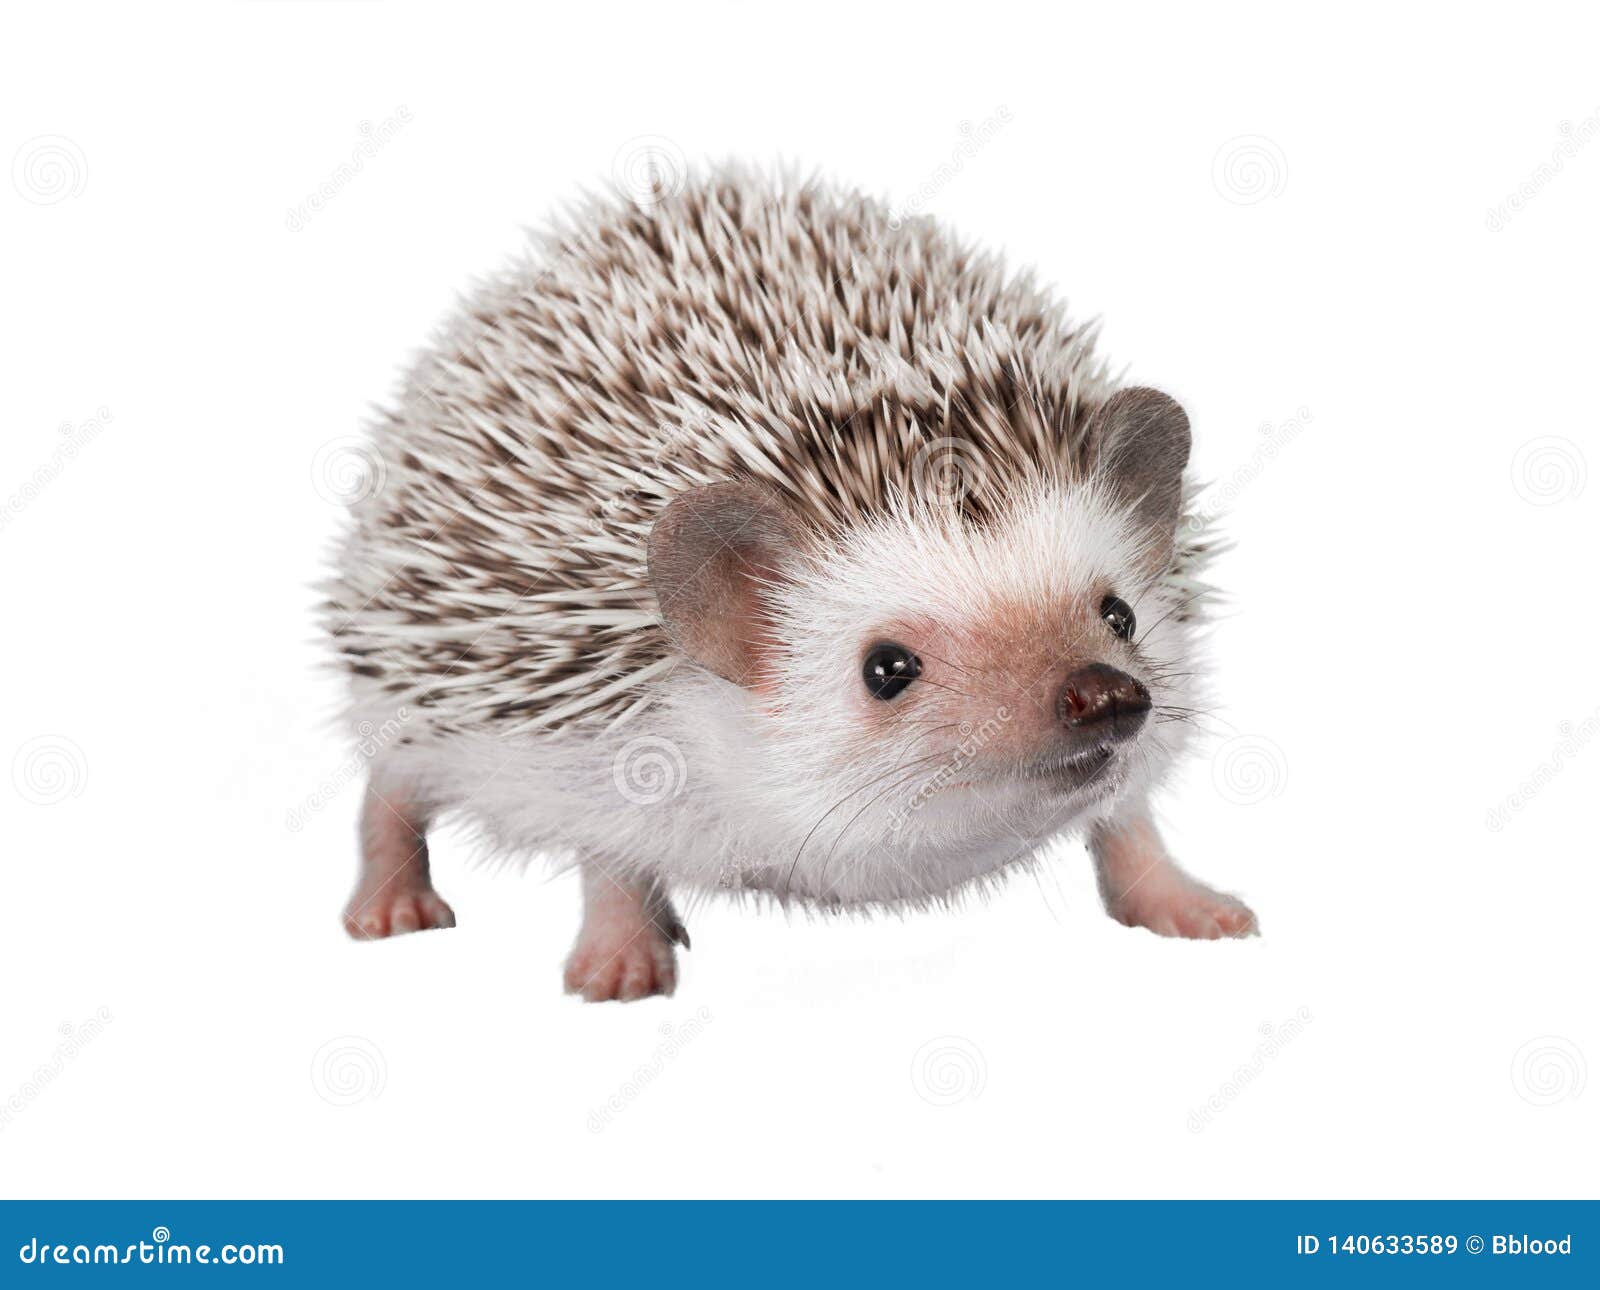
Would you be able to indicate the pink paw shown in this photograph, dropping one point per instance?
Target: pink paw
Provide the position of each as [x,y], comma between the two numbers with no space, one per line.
[601,969]
[396,910]
[1186,909]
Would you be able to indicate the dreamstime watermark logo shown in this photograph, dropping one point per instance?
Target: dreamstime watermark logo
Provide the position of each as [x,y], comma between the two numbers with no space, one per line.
[49,168]
[1548,470]
[973,740]
[371,739]
[159,1250]
[1249,169]
[74,1039]
[674,1039]
[948,1070]
[649,168]
[1575,736]
[1573,138]
[374,138]
[74,439]
[1248,769]
[649,770]
[948,471]
[348,470]
[49,769]
[349,1070]
[1274,1039]
[1223,493]
[974,138]
[1548,1070]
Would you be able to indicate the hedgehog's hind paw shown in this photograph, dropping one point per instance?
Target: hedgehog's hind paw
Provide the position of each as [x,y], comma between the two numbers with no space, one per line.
[601,970]
[395,893]
[395,911]
[624,951]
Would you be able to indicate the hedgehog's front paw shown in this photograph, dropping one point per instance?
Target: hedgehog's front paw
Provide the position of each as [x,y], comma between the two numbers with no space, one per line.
[395,909]
[615,961]
[1178,906]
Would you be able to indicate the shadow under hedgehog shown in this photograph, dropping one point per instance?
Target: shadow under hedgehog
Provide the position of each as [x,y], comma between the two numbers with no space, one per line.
[751,539]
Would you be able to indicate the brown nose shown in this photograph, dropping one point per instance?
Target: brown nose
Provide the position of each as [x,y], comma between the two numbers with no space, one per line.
[1101,700]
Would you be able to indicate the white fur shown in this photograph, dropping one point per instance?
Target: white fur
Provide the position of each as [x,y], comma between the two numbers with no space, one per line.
[779,793]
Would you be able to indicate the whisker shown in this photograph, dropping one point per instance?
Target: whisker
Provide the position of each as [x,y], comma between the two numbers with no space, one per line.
[850,824]
[952,689]
[967,670]
[949,725]
[1182,604]
[804,842]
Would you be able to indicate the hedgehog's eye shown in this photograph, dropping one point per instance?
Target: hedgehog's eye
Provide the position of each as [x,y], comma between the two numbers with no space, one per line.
[888,669]
[1118,616]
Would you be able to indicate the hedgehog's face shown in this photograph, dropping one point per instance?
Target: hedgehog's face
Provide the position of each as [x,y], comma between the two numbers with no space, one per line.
[928,681]
[1007,695]
[952,672]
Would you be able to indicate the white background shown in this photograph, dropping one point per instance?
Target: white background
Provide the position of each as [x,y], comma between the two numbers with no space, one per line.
[1412,613]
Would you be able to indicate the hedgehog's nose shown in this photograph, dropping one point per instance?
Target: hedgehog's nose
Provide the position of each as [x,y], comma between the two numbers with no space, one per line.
[1100,700]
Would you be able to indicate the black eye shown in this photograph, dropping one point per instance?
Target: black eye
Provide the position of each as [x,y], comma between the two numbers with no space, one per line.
[888,669]
[1118,616]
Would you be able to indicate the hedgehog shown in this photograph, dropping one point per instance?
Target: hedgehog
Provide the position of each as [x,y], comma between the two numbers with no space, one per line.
[749,538]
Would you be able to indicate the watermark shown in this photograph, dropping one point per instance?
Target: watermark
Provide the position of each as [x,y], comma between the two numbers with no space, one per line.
[649,770]
[1249,169]
[1248,769]
[949,1070]
[348,470]
[74,439]
[374,138]
[742,874]
[1223,493]
[648,169]
[349,1070]
[159,1249]
[74,1039]
[371,739]
[973,740]
[948,471]
[1575,737]
[1548,470]
[49,168]
[974,138]
[674,1039]
[1573,139]
[1549,1070]
[48,769]
[1274,1039]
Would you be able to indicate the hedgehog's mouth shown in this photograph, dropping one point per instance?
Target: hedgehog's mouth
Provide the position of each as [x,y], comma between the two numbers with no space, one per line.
[1061,774]
[1074,772]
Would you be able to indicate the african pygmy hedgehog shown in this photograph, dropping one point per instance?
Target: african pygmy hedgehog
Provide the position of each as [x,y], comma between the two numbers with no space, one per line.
[750,538]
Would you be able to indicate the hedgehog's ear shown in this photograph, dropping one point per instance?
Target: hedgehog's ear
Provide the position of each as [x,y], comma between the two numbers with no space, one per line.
[714,552]
[1138,443]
